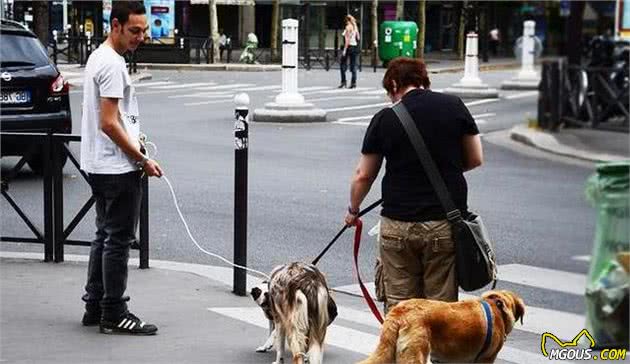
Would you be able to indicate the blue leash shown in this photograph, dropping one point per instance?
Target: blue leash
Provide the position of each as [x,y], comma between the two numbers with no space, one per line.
[488,340]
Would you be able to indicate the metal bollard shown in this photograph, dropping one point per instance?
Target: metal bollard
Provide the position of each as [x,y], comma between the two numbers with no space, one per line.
[241,141]
[55,46]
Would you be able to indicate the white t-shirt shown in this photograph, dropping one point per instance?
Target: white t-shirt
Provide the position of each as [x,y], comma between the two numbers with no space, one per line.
[106,76]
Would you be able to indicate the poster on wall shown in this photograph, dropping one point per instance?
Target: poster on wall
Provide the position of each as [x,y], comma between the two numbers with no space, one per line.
[161,18]
[107,10]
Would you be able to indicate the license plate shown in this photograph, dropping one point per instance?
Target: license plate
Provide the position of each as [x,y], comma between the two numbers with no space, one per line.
[15,97]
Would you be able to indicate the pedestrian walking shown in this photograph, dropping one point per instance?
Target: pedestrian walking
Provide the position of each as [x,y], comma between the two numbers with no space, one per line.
[111,155]
[415,241]
[351,37]
[223,43]
[495,39]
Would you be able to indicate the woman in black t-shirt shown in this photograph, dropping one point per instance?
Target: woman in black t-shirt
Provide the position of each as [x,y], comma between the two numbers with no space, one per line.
[415,244]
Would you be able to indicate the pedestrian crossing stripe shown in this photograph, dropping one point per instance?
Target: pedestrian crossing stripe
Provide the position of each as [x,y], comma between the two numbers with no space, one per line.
[204,95]
[240,86]
[149,84]
[182,86]
[358,341]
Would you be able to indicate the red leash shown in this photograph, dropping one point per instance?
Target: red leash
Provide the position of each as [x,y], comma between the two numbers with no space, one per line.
[366,293]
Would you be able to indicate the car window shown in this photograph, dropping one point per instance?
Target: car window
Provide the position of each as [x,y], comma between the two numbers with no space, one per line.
[21,51]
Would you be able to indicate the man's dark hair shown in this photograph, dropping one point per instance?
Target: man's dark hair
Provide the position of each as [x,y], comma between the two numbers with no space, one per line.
[122,9]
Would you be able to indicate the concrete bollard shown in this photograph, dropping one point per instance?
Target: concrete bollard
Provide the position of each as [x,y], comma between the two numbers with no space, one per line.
[289,105]
[471,86]
[527,78]
[289,94]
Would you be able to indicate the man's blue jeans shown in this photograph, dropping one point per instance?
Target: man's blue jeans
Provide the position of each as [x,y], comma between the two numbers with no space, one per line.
[118,199]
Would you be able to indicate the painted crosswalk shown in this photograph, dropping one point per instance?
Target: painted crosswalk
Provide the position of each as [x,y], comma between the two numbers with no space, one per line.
[356,329]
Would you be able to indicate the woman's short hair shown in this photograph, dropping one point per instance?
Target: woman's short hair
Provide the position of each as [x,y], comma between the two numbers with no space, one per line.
[403,72]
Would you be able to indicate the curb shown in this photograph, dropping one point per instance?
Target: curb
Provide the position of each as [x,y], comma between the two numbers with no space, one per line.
[549,143]
[212,67]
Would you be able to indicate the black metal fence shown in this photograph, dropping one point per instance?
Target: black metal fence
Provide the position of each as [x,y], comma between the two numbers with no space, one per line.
[582,96]
[54,149]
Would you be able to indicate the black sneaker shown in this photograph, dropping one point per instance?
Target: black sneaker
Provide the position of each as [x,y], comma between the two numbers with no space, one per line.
[91,318]
[128,324]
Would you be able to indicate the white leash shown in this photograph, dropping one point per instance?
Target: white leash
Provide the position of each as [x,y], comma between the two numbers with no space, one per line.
[192,238]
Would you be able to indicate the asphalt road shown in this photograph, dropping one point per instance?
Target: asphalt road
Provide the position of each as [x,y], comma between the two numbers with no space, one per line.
[299,176]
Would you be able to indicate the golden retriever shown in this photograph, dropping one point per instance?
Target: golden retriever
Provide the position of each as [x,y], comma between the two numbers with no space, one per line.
[447,331]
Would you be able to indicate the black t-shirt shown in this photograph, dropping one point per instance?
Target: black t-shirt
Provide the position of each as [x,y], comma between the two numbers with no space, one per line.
[442,120]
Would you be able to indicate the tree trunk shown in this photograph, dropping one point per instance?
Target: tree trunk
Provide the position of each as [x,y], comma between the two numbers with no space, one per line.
[41,20]
[374,22]
[275,22]
[214,30]
[321,11]
[421,28]
[461,30]
[574,32]
[400,9]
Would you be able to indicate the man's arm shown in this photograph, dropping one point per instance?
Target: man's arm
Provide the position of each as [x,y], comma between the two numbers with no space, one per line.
[364,175]
[112,128]
[473,152]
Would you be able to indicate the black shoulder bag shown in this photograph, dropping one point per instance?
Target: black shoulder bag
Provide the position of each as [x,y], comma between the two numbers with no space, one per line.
[475,260]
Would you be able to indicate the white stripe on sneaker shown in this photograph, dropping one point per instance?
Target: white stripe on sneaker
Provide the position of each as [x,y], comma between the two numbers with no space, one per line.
[142,324]
[129,323]
[122,322]
[132,326]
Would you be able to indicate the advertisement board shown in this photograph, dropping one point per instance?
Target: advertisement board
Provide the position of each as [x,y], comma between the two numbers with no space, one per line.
[161,19]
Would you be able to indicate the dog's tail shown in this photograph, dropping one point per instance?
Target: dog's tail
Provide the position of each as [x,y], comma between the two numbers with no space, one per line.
[297,336]
[386,350]
[320,318]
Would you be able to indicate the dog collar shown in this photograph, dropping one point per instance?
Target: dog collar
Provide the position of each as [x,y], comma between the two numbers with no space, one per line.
[488,340]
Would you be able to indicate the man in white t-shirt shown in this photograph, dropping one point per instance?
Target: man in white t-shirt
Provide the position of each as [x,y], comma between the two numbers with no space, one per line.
[112,156]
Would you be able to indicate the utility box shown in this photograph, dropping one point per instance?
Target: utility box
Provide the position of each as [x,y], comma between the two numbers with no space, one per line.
[397,39]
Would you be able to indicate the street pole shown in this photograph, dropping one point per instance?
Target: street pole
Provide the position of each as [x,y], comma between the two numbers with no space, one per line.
[241,141]
[65,14]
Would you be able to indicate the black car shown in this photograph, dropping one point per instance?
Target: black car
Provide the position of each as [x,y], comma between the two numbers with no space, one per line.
[34,94]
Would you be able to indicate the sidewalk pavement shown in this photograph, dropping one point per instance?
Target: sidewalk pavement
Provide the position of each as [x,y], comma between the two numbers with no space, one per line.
[191,304]
[585,144]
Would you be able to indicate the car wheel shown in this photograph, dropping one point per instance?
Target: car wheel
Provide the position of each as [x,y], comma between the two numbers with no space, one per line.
[37,163]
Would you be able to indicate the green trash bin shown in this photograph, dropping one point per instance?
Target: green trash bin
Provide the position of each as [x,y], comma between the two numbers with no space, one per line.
[397,38]
[608,279]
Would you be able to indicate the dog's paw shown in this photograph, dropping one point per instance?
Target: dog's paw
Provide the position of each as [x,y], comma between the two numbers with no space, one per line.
[281,361]
[263,348]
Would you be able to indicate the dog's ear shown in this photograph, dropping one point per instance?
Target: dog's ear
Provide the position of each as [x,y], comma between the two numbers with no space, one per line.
[255,293]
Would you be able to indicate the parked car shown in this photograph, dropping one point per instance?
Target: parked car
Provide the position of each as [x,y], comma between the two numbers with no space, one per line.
[34,95]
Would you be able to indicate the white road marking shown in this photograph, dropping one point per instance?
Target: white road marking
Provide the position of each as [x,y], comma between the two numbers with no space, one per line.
[486,115]
[537,320]
[480,102]
[181,85]
[352,118]
[156,83]
[339,336]
[224,87]
[203,94]
[359,107]
[550,279]
[375,92]
[344,97]
[583,258]
[522,94]
[353,123]
[227,99]
[358,341]
[261,88]
[345,90]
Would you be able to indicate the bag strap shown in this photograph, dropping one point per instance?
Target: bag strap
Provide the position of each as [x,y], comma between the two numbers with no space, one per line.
[452,212]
